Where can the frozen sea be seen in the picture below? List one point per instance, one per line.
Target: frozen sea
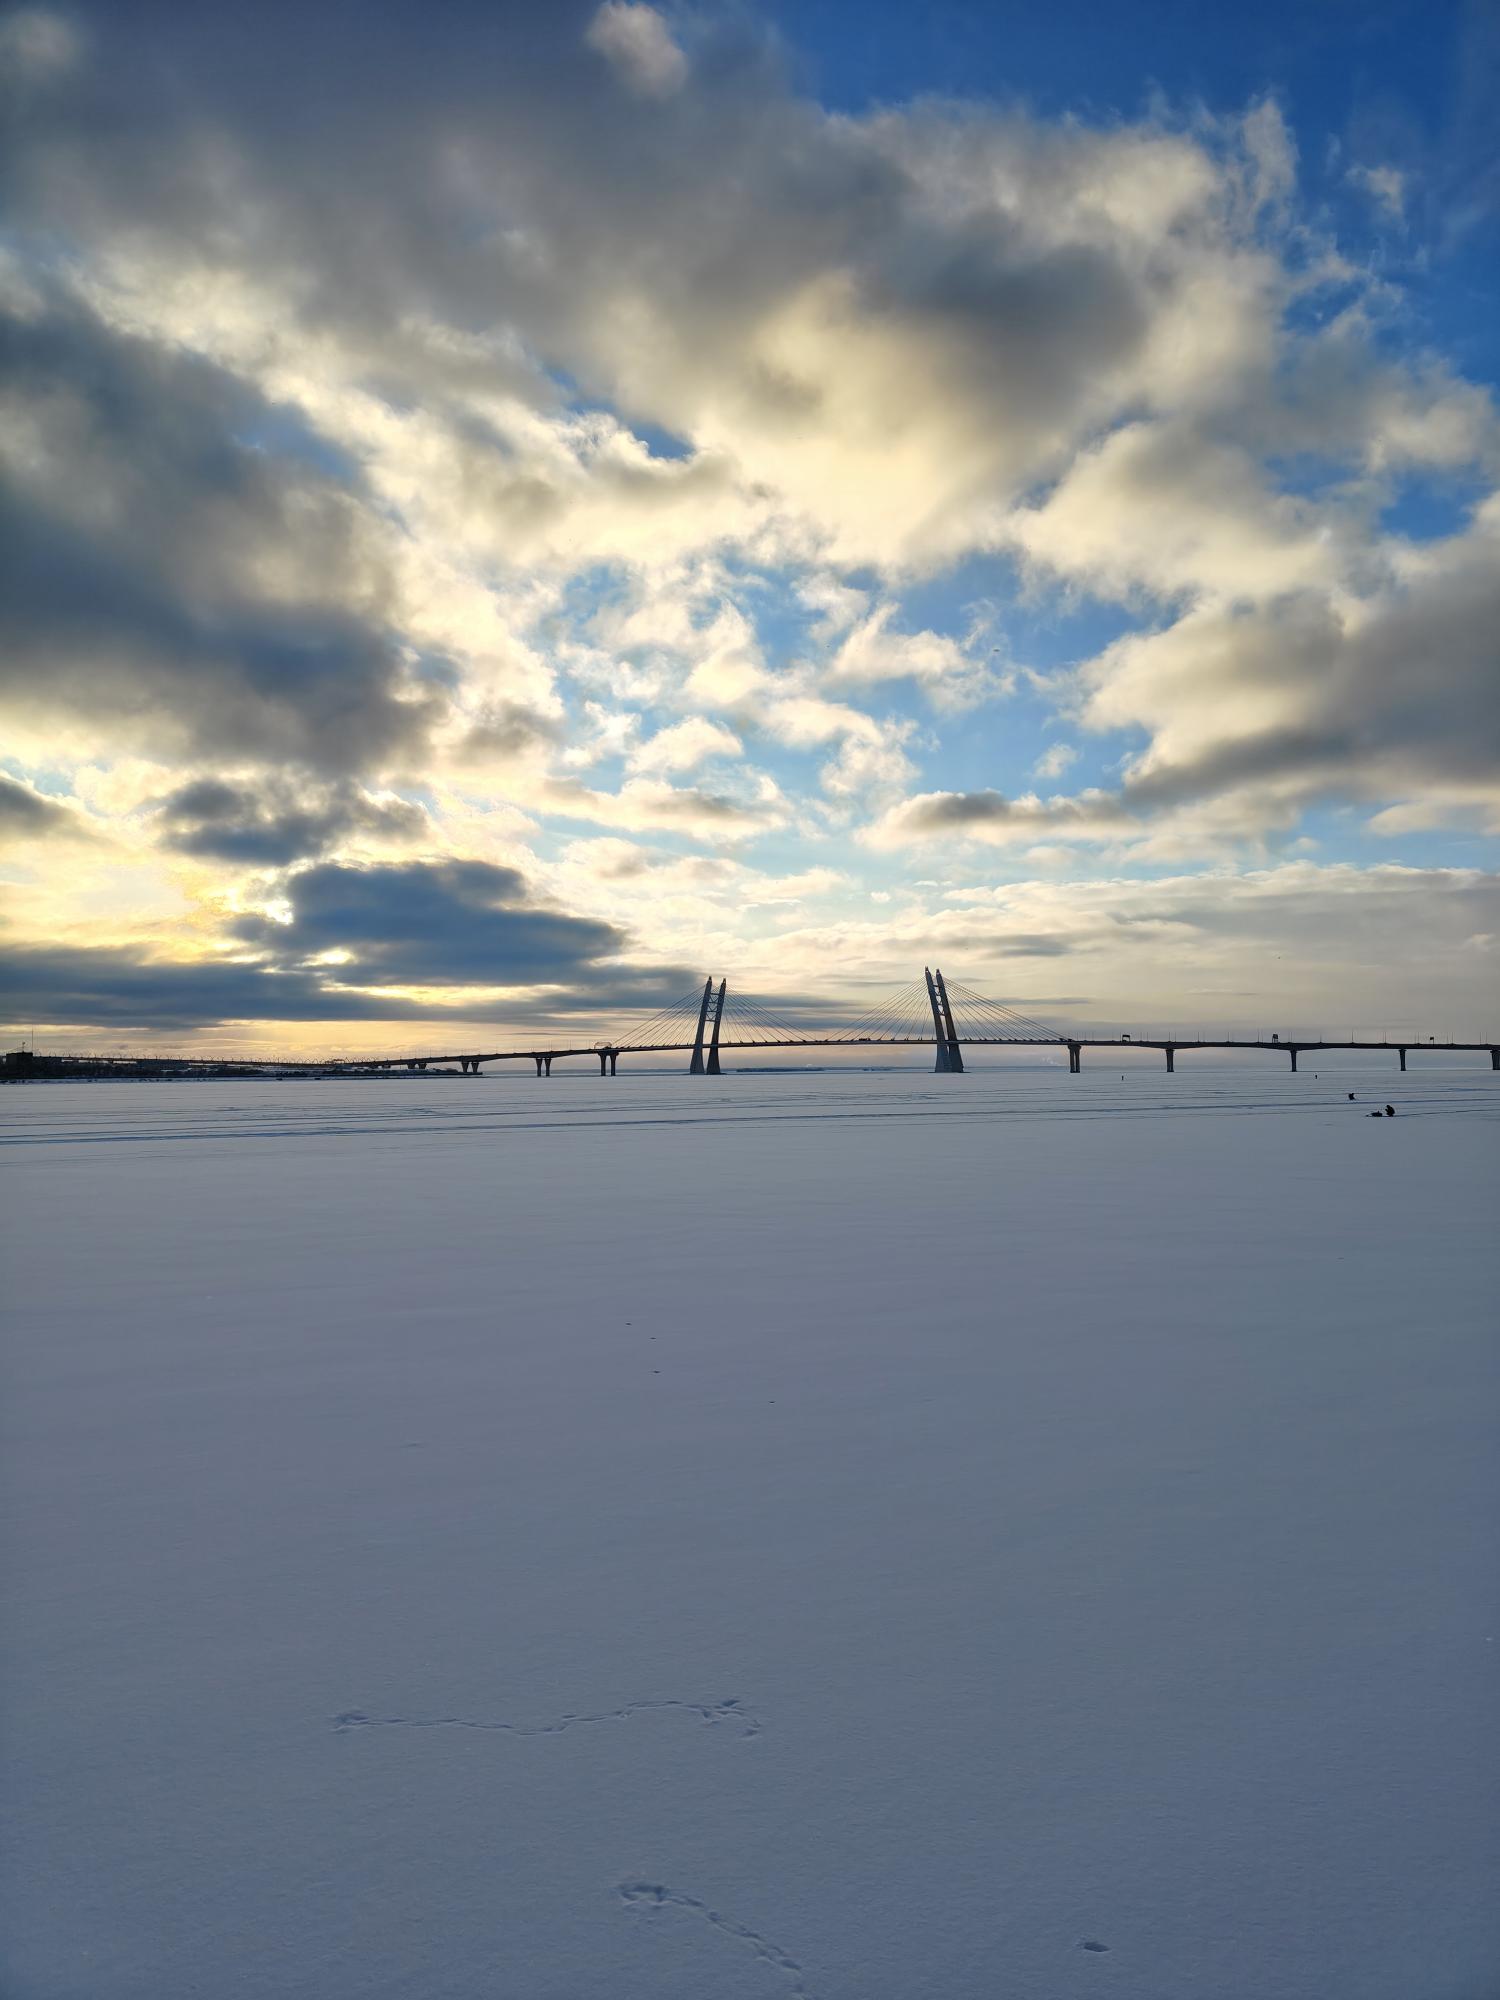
(829, 1536)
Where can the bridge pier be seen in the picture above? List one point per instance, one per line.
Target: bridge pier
(1293, 1054)
(1075, 1058)
(1171, 1057)
(1495, 1058)
(1402, 1054)
(538, 1065)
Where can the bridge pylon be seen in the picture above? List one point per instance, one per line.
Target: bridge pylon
(696, 1066)
(712, 1066)
(950, 1058)
(955, 1053)
(938, 1035)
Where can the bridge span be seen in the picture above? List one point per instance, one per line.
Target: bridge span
(704, 1025)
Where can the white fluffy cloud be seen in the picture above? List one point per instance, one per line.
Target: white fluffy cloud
(684, 746)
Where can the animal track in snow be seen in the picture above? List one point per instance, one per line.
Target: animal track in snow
(711, 1713)
(655, 1896)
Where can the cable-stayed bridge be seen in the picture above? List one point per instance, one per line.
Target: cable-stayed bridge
(703, 1025)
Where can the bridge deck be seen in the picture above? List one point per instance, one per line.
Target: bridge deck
(20, 1065)
(1174, 1042)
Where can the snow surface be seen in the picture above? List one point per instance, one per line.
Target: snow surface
(839, 1536)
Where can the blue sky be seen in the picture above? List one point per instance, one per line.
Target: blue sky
(801, 490)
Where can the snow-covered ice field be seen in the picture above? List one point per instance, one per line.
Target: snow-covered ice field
(822, 1537)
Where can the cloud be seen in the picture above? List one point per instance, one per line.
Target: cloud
(685, 745)
(1297, 947)
(1163, 508)
(1055, 760)
(1271, 934)
(26, 814)
(1376, 700)
(870, 761)
(1386, 187)
(1253, 713)
(667, 884)
(163, 583)
(873, 652)
(639, 43)
(612, 860)
(873, 333)
(431, 924)
(276, 823)
(651, 805)
(992, 817)
(387, 942)
(67, 986)
(499, 732)
(37, 46)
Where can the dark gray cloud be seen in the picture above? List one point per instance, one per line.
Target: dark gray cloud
(434, 924)
(133, 535)
(507, 729)
(966, 812)
(118, 988)
(956, 812)
(275, 823)
(25, 814)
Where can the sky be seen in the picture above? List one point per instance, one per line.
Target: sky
(507, 510)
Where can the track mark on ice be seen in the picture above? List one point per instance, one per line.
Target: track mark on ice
(655, 1896)
(709, 1712)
